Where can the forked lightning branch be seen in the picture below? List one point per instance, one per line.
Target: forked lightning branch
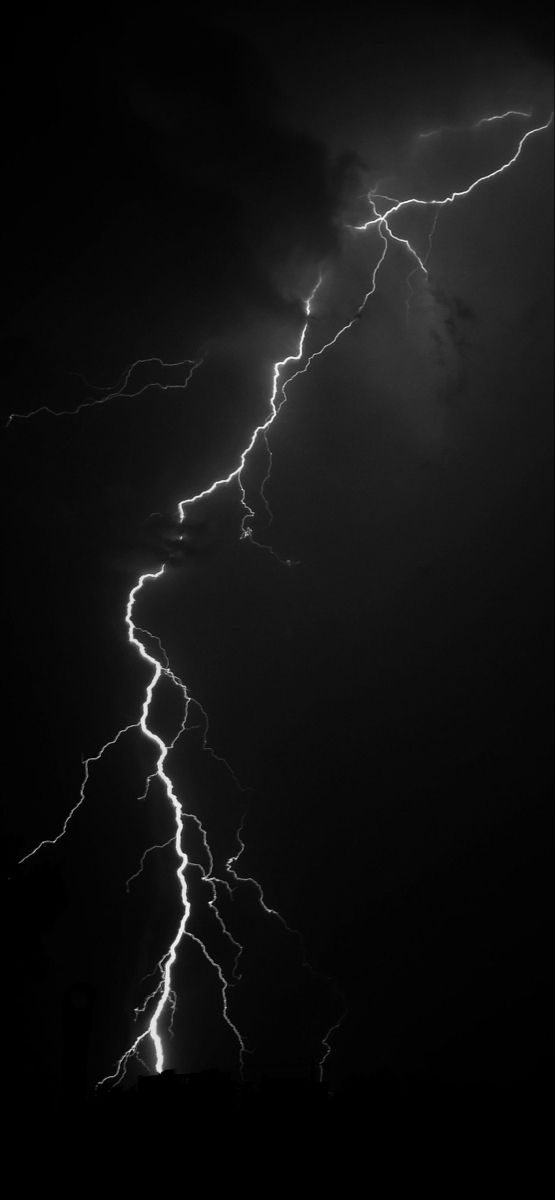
(158, 1010)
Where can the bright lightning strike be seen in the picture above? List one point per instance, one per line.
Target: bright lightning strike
(165, 990)
(399, 205)
(163, 996)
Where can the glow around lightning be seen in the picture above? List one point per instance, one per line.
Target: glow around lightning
(164, 991)
(163, 997)
(398, 205)
(164, 994)
(511, 112)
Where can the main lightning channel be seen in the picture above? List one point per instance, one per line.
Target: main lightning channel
(164, 994)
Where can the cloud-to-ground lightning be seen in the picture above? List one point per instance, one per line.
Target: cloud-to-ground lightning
(160, 1005)
(86, 763)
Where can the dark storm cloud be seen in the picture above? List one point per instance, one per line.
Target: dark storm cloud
(151, 152)
(206, 108)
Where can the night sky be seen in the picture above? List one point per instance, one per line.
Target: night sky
(173, 189)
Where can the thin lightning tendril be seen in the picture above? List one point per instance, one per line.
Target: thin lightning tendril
(230, 868)
(118, 393)
(149, 850)
(511, 112)
(163, 996)
(86, 763)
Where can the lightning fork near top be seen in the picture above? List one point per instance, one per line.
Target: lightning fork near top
(163, 997)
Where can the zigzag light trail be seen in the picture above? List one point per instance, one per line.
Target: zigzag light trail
(118, 393)
(86, 763)
(381, 222)
(163, 997)
(511, 112)
(149, 850)
(165, 992)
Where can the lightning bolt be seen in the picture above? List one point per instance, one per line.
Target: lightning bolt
(162, 999)
(381, 220)
(86, 763)
(398, 205)
(259, 432)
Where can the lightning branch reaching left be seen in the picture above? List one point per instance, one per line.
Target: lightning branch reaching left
(107, 394)
(163, 997)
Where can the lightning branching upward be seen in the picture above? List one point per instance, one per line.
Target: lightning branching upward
(398, 205)
(159, 1007)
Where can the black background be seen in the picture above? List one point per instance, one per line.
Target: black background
(172, 187)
